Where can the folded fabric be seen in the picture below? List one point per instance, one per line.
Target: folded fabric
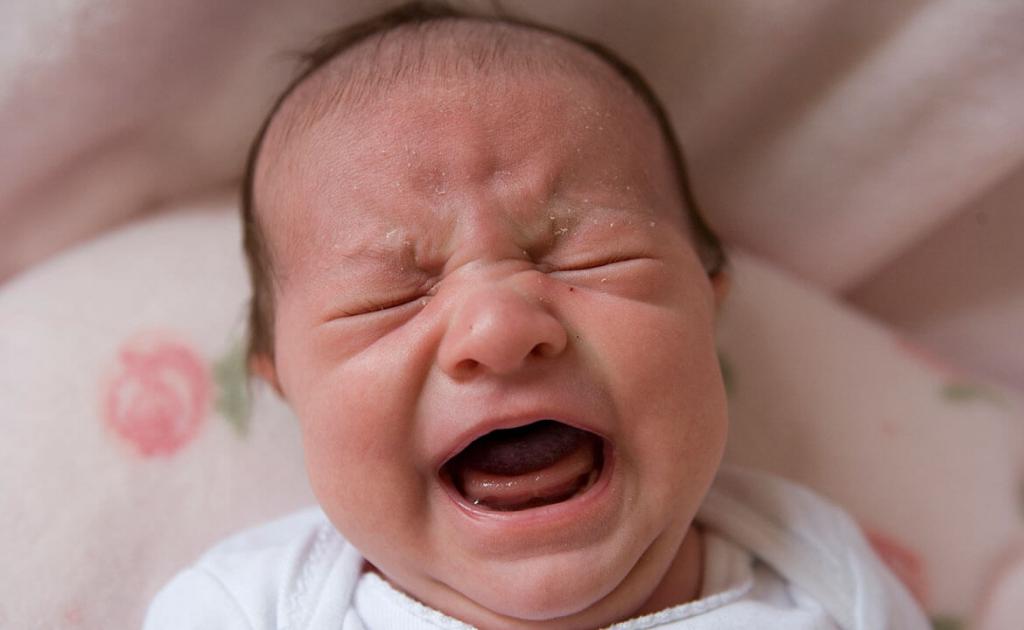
(928, 458)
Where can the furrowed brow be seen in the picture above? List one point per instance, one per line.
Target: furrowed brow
(383, 257)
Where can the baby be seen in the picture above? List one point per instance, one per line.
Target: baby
(483, 286)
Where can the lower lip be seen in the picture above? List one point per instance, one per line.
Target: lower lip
(576, 509)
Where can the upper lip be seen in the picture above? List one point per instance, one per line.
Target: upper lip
(479, 428)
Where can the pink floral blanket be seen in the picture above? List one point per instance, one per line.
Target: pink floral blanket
(866, 162)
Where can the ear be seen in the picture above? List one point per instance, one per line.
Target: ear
(263, 366)
(721, 284)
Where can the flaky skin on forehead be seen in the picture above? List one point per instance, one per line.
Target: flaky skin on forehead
(425, 52)
(414, 42)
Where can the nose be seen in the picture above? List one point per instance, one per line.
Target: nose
(499, 328)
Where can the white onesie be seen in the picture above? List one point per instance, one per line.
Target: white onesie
(776, 556)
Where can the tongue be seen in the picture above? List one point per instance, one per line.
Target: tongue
(523, 449)
(557, 482)
(537, 464)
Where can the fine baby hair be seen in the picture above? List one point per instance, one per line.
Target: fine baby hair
(423, 15)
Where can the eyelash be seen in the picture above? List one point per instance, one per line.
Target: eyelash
(597, 264)
(371, 308)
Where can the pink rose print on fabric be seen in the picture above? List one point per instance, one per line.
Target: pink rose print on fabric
(159, 397)
(904, 563)
(956, 386)
(73, 616)
(938, 365)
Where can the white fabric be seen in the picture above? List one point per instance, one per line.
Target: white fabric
(776, 556)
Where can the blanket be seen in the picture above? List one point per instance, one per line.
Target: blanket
(864, 161)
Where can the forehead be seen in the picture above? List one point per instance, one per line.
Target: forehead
(575, 123)
(472, 50)
(472, 124)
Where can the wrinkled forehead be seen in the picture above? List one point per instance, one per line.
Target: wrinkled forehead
(455, 50)
(457, 60)
(480, 81)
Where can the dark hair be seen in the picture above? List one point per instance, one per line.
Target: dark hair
(261, 311)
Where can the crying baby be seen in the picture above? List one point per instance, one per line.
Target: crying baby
(482, 284)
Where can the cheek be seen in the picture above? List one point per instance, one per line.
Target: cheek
(360, 468)
(666, 364)
(356, 414)
(663, 373)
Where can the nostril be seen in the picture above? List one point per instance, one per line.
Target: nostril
(544, 349)
(467, 365)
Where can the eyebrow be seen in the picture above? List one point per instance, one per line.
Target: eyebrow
(404, 254)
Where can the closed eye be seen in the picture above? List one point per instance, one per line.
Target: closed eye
(584, 265)
(620, 274)
(374, 307)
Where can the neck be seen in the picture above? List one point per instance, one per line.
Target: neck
(682, 581)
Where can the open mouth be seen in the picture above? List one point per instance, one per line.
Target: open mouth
(538, 464)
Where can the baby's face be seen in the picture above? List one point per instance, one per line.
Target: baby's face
(461, 257)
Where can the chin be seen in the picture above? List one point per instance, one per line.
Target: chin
(573, 590)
